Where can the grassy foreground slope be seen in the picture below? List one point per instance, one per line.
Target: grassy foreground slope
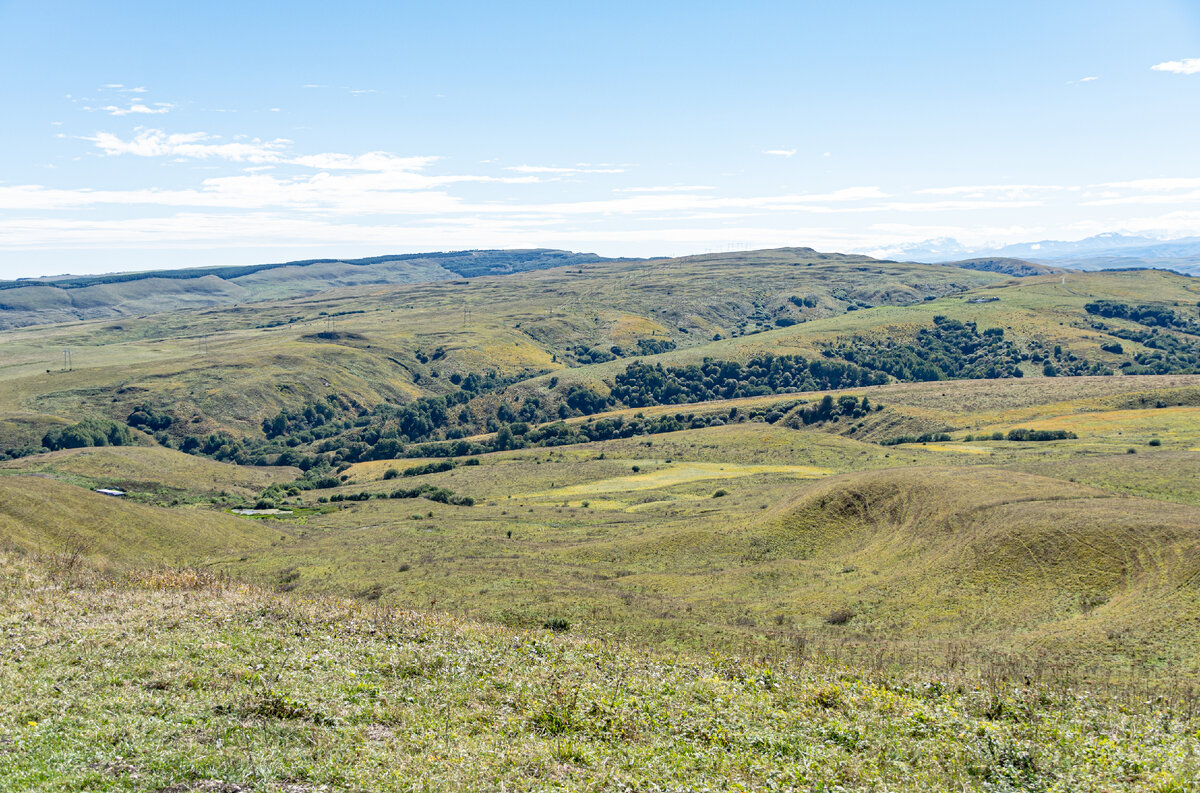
(153, 473)
(911, 557)
(170, 681)
(40, 513)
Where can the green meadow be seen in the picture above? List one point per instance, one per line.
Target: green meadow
(985, 582)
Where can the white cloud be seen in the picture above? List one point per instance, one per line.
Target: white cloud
(265, 193)
(1082, 80)
(692, 188)
(194, 145)
(1163, 183)
(550, 169)
(371, 161)
(983, 189)
(136, 108)
(781, 152)
(1185, 66)
(1145, 198)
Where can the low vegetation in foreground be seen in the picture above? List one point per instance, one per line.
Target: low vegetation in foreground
(172, 680)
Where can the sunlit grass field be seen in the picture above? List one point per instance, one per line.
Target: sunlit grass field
(173, 680)
(719, 537)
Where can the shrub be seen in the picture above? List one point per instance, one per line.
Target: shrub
(89, 432)
(391, 473)
(1155, 442)
(839, 617)
(430, 468)
(720, 494)
(557, 624)
(929, 437)
(1040, 435)
(148, 418)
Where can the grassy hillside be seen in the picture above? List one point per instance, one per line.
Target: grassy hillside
(153, 474)
(231, 367)
(1008, 266)
(917, 554)
(38, 513)
(174, 681)
(65, 298)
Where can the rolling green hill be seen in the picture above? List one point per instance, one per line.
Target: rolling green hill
(1008, 266)
(38, 513)
(66, 298)
(233, 367)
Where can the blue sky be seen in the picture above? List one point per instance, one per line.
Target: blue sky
(140, 134)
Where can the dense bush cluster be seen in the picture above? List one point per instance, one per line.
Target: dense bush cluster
(928, 437)
(829, 409)
(430, 468)
(642, 385)
(1059, 362)
(587, 355)
(1039, 435)
(1169, 353)
(150, 419)
(310, 417)
(89, 432)
(949, 350)
(1153, 316)
(17, 452)
(438, 494)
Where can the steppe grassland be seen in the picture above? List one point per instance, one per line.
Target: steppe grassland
(644, 561)
(268, 356)
(43, 515)
(166, 680)
(152, 472)
(512, 324)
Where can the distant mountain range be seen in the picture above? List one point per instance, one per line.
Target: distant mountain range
(1101, 252)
